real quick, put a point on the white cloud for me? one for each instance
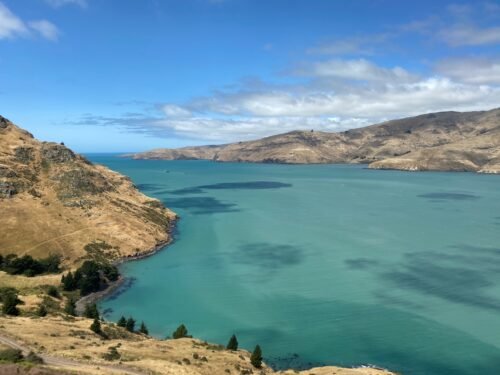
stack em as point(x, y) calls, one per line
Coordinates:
point(467, 35)
point(357, 45)
point(243, 115)
point(358, 70)
point(61, 3)
point(172, 110)
point(45, 28)
point(471, 70)
point(10, 25)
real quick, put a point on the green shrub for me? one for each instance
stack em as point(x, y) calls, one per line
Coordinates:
point(180, 332)
point(91, 311)
point(53, 292)
point(11, 355)
point(112, 354)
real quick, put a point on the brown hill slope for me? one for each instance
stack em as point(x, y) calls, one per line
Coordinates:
point(468, 141)
point(55, 201)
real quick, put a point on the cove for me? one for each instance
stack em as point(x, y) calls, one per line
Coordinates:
point(324, 264)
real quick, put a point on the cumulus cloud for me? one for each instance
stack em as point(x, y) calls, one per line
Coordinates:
point(61, 3)
point(12, 26)
point(245, 114)
point(472, 70)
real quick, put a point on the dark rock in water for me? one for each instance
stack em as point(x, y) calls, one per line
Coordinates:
point(24, 154)
point(56, 153)
point(3, 122)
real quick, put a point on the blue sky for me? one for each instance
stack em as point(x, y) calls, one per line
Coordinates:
point(129, 75)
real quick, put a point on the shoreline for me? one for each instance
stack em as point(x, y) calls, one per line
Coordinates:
point(115, 285)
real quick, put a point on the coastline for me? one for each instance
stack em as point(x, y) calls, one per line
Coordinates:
point(115, 285)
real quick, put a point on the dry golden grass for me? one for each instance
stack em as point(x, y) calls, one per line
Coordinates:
point(28, 284)
point(72, 339)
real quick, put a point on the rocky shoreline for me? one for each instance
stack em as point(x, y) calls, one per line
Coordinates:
point(115, 285)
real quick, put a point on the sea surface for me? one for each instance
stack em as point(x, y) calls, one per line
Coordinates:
point(324, 264)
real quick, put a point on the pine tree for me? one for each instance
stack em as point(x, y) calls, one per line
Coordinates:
point(143, 329)
point(122, 322)
point(42, 310)
point(96, 326)
point(256, 358)
point(233, 343)
point(69, 282)
point(70, 307)
point(130, 326)
point(180, 332)
point(91, 311)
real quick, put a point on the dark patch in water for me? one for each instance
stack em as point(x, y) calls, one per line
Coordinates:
point(361, 263)
point(254, 185)
point(149, 187)
point(387, 299)
point(250, 185)
point(423, 273)
point(474, 249)
point(438, 197)
point(202, 205)
point(127, 283)
point(187, 191)
point(269, 256)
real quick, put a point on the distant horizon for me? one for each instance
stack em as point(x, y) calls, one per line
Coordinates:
point(115, 75)
point(118, 152)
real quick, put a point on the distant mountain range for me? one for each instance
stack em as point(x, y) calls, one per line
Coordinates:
point(444, 141)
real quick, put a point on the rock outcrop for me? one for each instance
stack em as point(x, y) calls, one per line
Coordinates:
point(447, 141)
point(55, 201)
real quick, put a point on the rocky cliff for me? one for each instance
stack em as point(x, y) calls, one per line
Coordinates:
point(55, 201)
point(450, 141)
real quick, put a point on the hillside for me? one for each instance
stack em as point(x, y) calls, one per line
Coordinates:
point(447, 141)
point(55, 201)
point(67, 343)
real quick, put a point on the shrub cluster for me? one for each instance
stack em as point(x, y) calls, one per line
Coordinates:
point(9, 300)
point(28, 266)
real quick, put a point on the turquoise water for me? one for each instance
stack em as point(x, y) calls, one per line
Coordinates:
point(325, 264)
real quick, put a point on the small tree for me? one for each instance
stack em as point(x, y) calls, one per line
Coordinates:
point(53, 292)
point(233, 343)
point(143, 329)
point(122, 322)
point(69, 282)
point(91, 311)
point(96, 327)
point(42, 310)
point(70, 307)
point(10, 302)
point(256, 358)
point(180, 332)
point(130, 326)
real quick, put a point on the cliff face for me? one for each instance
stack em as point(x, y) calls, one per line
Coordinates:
point(55, 201)
point(438, 141)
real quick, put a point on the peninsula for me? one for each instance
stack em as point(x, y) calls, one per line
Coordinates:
point(444, 141)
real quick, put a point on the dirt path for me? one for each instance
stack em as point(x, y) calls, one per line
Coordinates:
point(69, 364)
point(65, 235)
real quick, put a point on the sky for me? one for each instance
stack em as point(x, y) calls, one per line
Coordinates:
point(132, 75)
